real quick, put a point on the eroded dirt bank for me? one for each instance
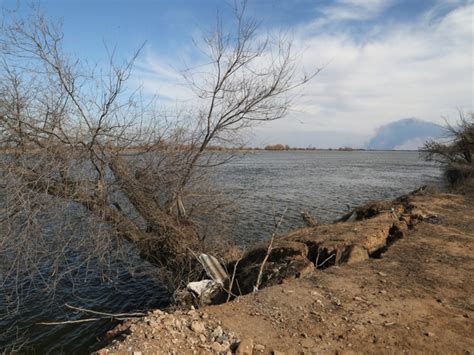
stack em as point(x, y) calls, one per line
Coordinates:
point(392, 277)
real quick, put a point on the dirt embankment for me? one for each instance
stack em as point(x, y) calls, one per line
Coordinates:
point(391, 277)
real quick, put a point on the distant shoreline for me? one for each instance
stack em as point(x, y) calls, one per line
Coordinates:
point(316, 150)
point(222, 149)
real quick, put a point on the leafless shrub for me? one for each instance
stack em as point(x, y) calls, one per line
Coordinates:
point(91, 173)
point(456, 153)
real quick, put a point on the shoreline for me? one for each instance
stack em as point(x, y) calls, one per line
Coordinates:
point(375, 259)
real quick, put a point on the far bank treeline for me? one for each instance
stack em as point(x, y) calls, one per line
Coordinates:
point(172, 146)
point(285, 147)
point(164, 146)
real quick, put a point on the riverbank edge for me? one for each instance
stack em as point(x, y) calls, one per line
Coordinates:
point(380, 223)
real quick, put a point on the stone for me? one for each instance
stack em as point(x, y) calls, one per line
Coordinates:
point(245, 347)
point(221, 339)
point(218, 348)
point(198, 327)
point(357, 253)
point(168, 321)
point(199, 287)
point(259, 347)
point(217, 332)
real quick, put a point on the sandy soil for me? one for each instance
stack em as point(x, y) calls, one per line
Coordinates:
point(415, 297)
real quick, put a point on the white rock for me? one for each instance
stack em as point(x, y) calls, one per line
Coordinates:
point(198, 327)
point(199, 287)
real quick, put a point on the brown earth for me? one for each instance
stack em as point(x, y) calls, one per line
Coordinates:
point(393, 277)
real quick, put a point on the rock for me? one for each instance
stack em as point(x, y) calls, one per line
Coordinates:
point(245, 347)
point(357, 253)
point(221, 339)
point(276, 352)
point(259, 347)
point(305, 270)
point(429, 334)
point(198, 287)
point(193, 313)
point(218, 348)
point(206, 291)
point(168, 321)
point(198, 327)
point(217, 332)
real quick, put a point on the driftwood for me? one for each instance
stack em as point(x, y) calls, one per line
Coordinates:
point(118, 316)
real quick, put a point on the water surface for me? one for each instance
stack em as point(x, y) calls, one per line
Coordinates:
point(324, 183)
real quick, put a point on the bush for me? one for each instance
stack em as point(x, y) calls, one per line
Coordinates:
point(277, 147)
point(456, 153)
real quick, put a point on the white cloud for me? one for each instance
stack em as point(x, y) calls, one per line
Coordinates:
point(157, 76)
point(421, 69)
point(354, 9)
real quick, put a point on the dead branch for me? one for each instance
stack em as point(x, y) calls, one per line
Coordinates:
point(269, 250)
point(325, 261)
point(111, 315)
point(231, 285)
point(70, 321)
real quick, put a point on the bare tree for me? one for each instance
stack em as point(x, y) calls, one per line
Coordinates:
point(456, 152)
point(81, 147)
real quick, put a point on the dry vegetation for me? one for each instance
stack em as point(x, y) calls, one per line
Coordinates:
point(91, 172)
point(457, 153)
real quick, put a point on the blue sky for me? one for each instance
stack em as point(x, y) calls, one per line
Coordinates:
point(383, 60)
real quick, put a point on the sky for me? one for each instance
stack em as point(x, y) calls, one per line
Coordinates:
point(381, 60)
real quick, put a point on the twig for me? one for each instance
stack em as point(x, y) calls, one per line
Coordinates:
point(317, 259)
point(269, 250)
point(324, 262)
point(232, 280)
point(70, 321)
point(119, 316)
point(238, 286)
point(111, 315)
